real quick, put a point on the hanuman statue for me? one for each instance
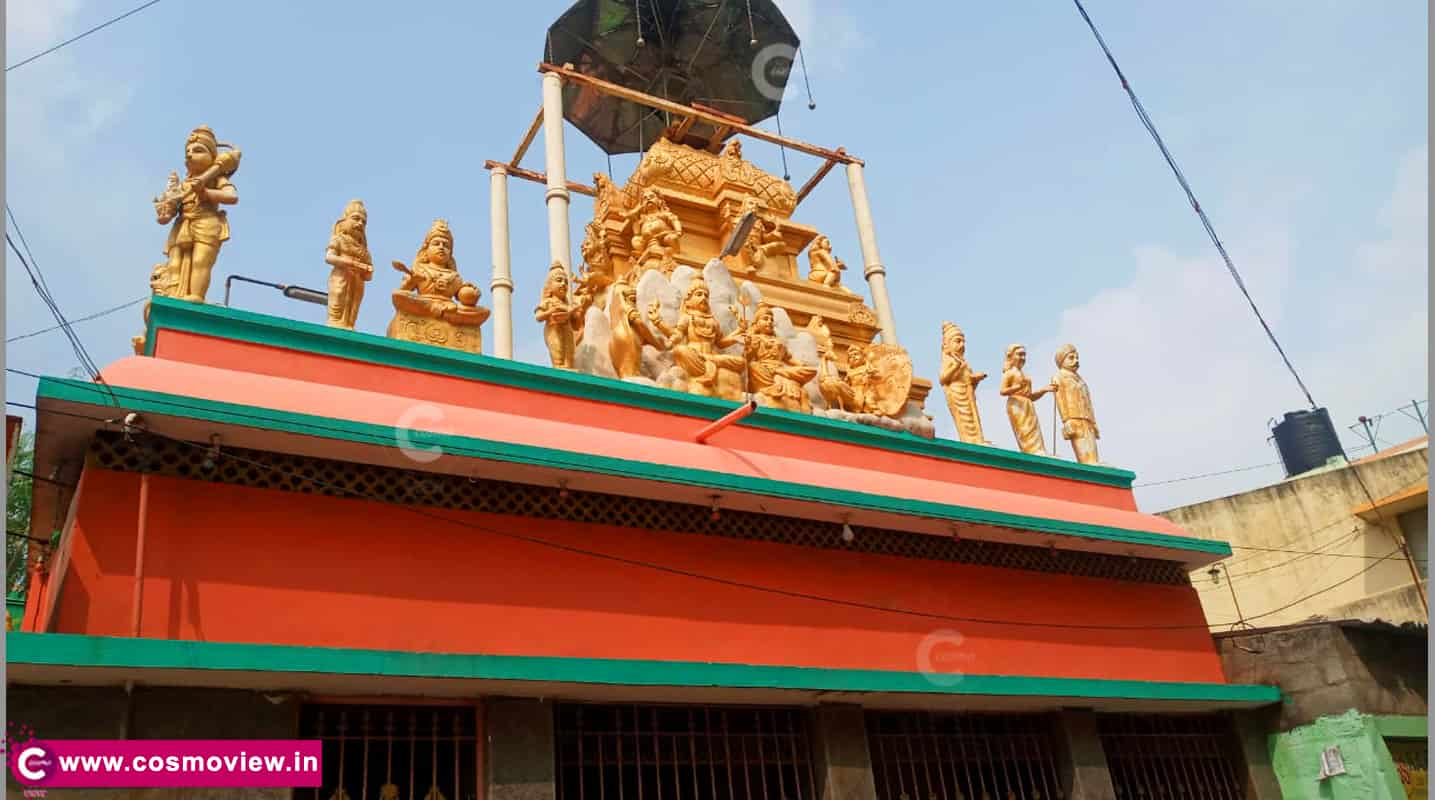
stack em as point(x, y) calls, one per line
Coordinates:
point(200, 226)
point(348, 254)
point(1073, 401)
point(826, 268)
point(697, 343)
point(960, 381)
point(656, 231)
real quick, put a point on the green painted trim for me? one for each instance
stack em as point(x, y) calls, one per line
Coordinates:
point(230, 323)
point(142, 401)
point(55, 649)
point(1392, 726)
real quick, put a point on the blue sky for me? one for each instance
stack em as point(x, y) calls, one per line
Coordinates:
point(1014, 191)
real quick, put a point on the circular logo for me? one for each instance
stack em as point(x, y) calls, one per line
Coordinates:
point(33, 763)
point(939, 655)
point(422, 412)
point(770, 68)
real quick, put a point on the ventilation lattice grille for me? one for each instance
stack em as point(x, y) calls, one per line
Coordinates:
point(291, 473)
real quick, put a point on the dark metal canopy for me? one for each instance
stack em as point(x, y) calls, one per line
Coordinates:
point(731, 56)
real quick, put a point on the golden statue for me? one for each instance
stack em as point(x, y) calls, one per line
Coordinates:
point(200, 227)
point(1021, 402)
point(859, 377)
point(772, 371)
point(656, 231)
point(629, 333)
point(765, 240)
point(348, 254)
point(960, 382)
point(1073, 401)
point(697, 343)
point(825, 268)
point(445, 310)
point(561, 318)
point(836, 391)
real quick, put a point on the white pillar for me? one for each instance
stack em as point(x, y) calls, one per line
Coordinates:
point(502, 285)
point(557, 194)
point(872, 268)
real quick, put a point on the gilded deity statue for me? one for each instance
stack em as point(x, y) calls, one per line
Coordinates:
point(656, 231)
point(1021, 402)
point(697, 342)
point(835, 390)
point(629, 332)
point(764, 243)
point(825, 268)
point(200, 227)
point(772, 371)
point(960, 381)
point(1073, 401)
point(560, 316)
point(348, 255)
point(860, 377)
point(434, 304)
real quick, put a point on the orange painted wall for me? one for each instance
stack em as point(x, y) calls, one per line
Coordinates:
point(236, 564)
point(299, 365)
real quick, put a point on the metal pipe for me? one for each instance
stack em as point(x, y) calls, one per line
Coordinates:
point(726, 420)
point(139, 555)
point(502, 284)
point(291, 292)
point(872, 268)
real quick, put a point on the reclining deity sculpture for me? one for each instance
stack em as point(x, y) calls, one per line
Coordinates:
point(697, 342)
point(434, 304)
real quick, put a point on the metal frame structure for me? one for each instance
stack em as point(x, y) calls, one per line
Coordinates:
point(550, 119)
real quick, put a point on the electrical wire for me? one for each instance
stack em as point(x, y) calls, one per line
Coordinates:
point(77, 320)
point(1205, 475)
point(74, 39)
point(1191, 197)
point(677, 571)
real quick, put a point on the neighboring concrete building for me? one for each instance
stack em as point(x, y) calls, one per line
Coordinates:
point(1361, 687)
point(1326, 543)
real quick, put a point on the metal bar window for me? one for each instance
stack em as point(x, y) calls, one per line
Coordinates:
point(935, 756)
point(394, 752)
point(672, 752)
point(1172, 756)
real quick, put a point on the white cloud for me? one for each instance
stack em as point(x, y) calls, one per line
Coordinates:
point(1184, 380)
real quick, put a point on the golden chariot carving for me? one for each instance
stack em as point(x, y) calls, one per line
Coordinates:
point(678, 208)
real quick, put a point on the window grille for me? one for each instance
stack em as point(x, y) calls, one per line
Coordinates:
point(393, 752)
point(1172, 757)
point(658, 752)
point(952, 756)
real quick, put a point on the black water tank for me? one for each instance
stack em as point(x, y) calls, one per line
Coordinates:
point(1306, 440)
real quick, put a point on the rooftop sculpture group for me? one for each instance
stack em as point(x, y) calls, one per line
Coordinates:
point(641, 310)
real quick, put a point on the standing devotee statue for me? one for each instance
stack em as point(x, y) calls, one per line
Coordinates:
point(1021, 402)
point(348, 254)
point(199, 227)
point(772, 371)
point(1073, 401)
point(561, 318)
point(629, 332)
point(697, 342)
point(656, 231)
point(826, 268)
point(434, 304)
point(960, 381)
